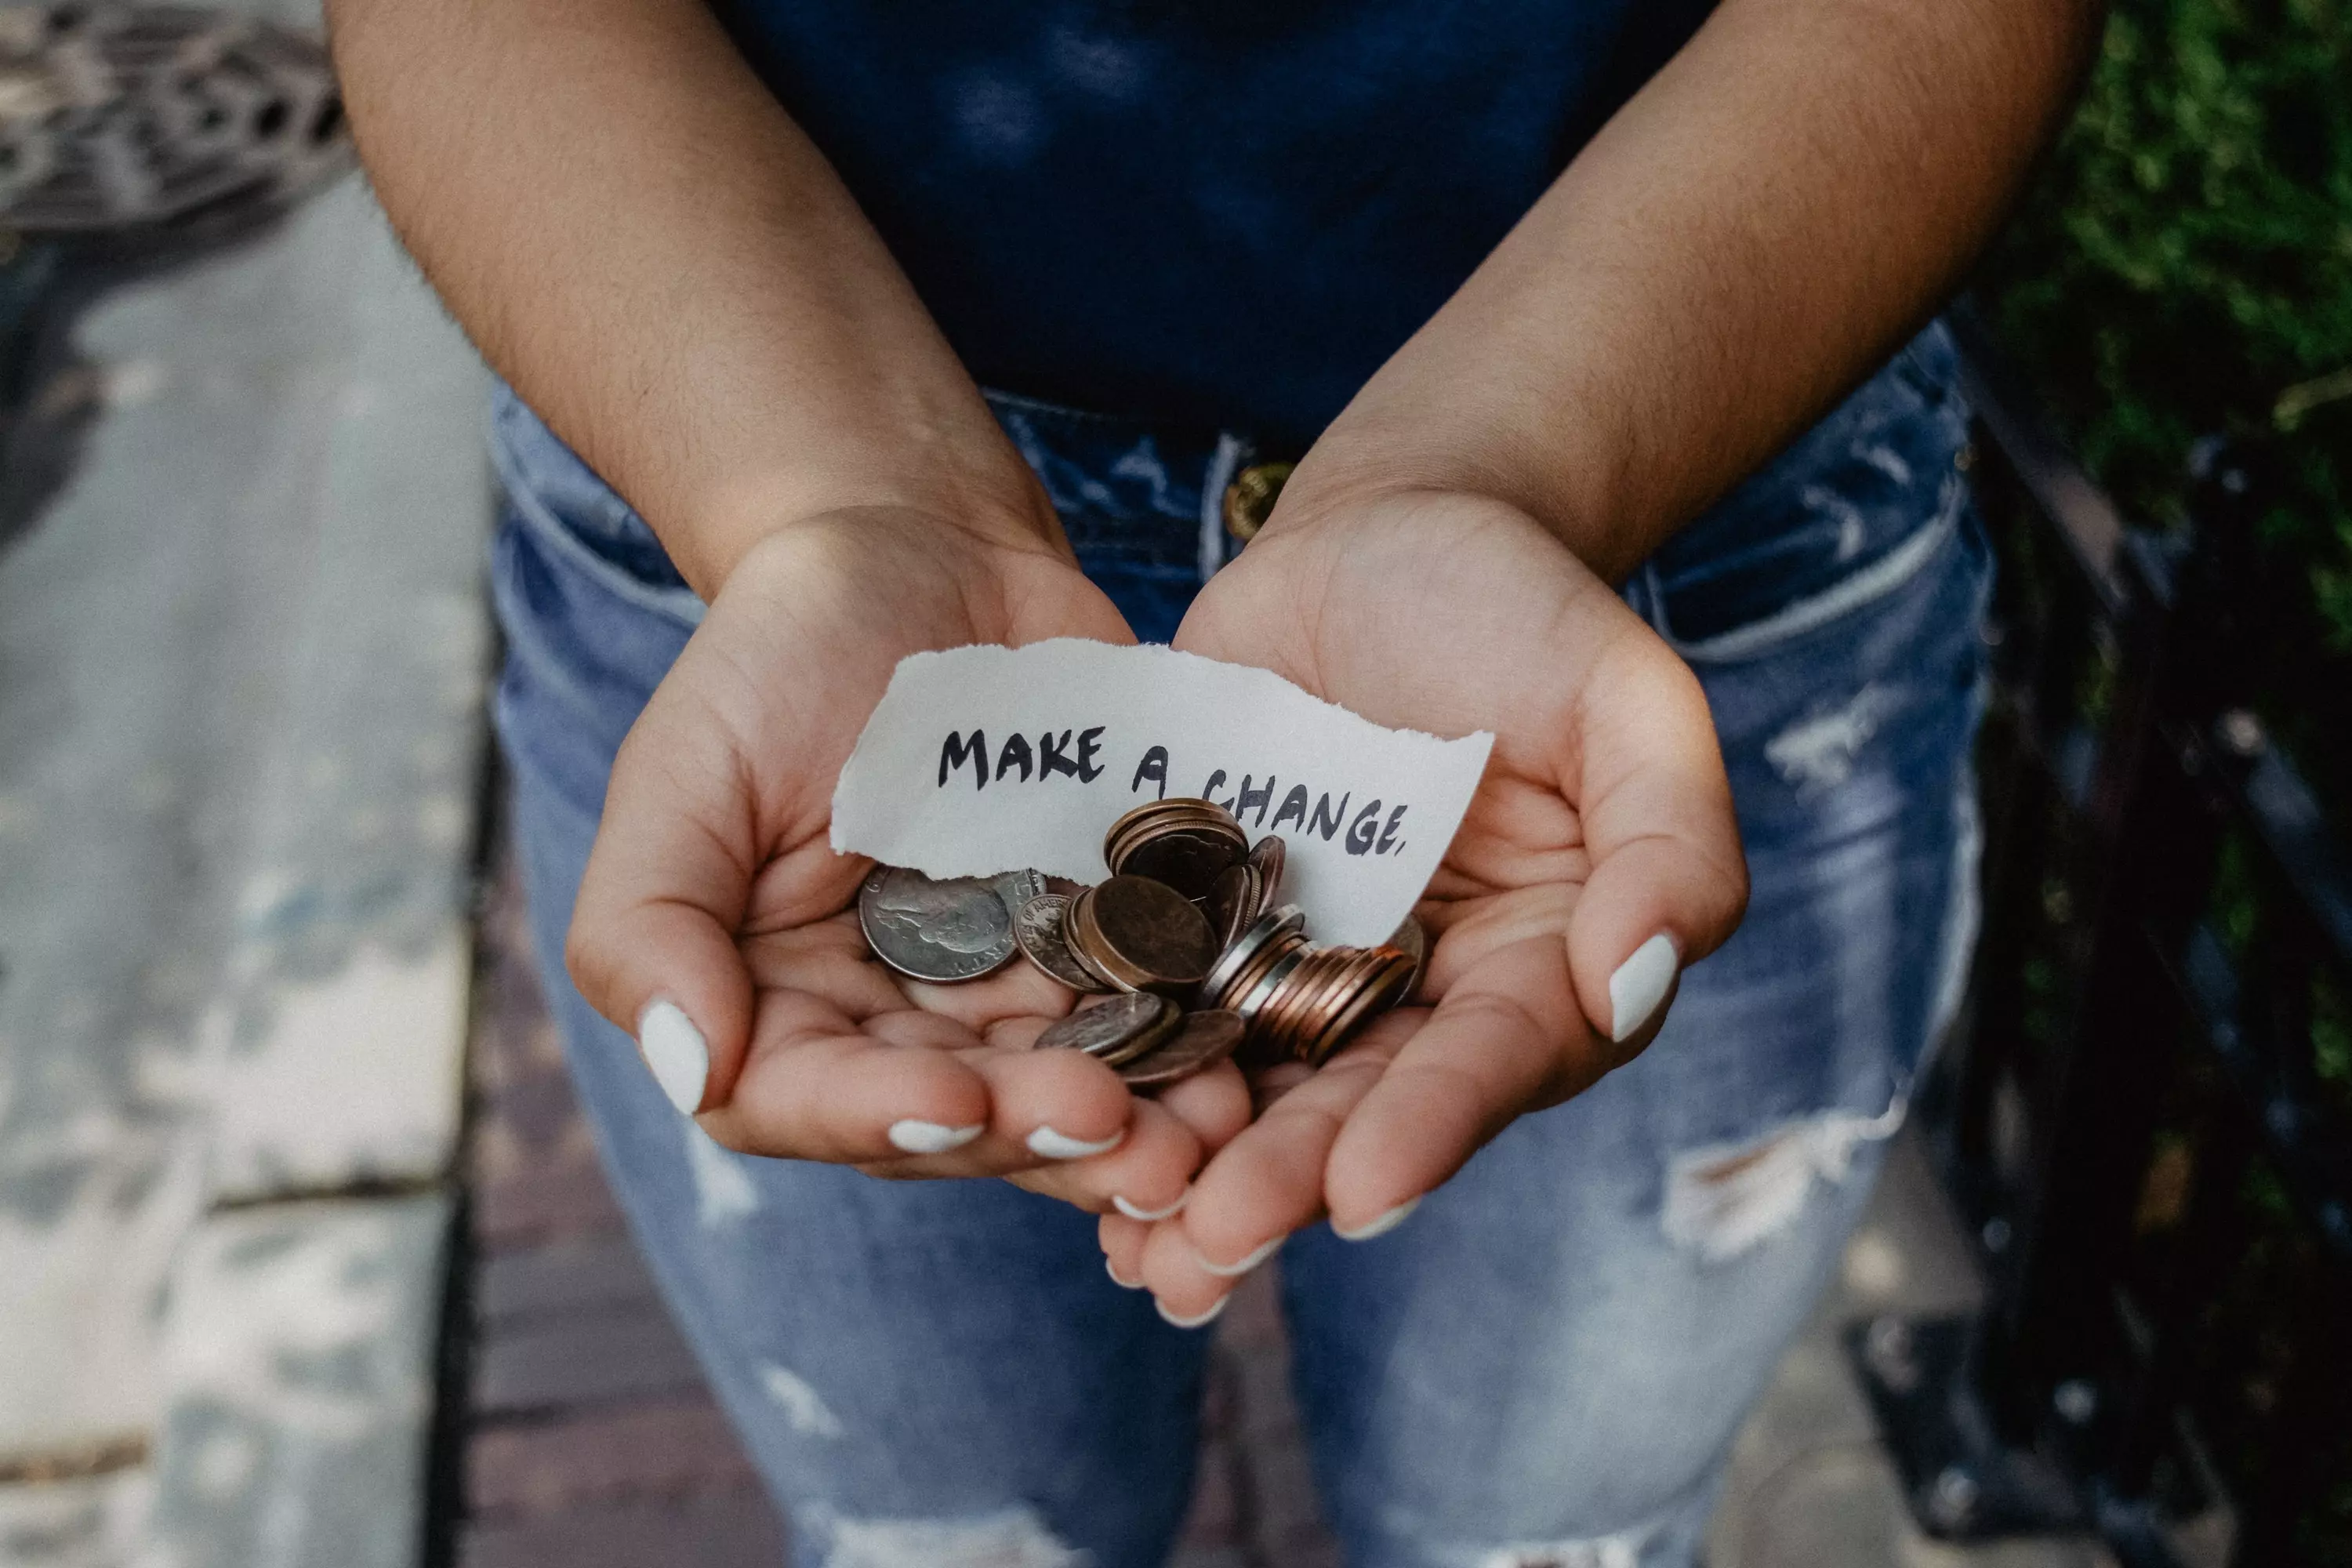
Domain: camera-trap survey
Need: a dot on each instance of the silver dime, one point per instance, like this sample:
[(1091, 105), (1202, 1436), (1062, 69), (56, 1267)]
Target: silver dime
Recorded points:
[(1230, 963), (945, 931), (1037, 927), (1017, 887), (1113, 1029)]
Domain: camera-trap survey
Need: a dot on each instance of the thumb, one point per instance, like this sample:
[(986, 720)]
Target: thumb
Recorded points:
[(1668, 883), (651, 943)]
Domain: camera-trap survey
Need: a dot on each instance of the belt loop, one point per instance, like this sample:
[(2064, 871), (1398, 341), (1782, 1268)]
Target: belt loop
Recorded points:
[(1655, 594), (1231, 454)]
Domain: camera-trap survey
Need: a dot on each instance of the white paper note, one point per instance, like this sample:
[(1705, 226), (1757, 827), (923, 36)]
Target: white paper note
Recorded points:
[(982, 760)]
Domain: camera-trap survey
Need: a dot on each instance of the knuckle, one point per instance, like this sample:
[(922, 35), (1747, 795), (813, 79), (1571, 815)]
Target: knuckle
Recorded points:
[(588, 959)]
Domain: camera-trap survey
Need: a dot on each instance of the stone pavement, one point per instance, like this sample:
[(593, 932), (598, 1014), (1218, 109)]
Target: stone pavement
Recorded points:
[(242, 652)]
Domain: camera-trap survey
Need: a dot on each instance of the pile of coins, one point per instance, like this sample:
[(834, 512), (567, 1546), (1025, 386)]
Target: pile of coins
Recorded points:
[(1184, 937)]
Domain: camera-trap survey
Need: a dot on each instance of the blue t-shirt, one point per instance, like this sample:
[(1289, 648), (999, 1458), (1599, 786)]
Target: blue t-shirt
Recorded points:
[(1220, 212)]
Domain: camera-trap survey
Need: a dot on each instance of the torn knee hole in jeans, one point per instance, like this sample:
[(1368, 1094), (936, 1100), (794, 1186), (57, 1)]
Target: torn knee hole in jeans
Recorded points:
[(1724, 1198), (1602, 1552), (1016, 1537)]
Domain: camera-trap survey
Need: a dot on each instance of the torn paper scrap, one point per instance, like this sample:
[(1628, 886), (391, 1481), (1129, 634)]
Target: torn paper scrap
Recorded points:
[(982, 760)]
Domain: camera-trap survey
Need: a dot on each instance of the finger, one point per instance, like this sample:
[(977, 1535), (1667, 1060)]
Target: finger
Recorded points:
[(1049, 1106), (1122, 1243), (1508, 1036), (1268, 1181), (1186, 1292), (1148, 1177), (1214, 1104), (652, 943), (815, 1086), (1019, 990), (1668, 882)]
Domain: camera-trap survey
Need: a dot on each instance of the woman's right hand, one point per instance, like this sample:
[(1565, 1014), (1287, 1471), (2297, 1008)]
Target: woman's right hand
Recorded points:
[(715, 921)]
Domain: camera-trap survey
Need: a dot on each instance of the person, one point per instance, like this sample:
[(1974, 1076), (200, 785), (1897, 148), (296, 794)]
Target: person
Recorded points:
[(836, 331)]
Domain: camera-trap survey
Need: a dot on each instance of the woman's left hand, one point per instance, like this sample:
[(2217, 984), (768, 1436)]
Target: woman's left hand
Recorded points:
[(1600, 855)]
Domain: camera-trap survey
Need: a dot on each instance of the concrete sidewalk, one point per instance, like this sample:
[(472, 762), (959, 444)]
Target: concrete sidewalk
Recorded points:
[(241, 670)]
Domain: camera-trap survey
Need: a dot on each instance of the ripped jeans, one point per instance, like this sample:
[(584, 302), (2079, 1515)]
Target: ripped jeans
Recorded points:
[(1545, 1367)]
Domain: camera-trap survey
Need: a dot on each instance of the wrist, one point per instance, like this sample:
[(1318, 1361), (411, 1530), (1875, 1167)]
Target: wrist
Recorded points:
[(733, 520), (1567, 481)]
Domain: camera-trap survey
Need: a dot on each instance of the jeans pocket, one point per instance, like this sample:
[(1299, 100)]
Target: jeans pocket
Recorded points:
[(1849, 512), (578, 519)]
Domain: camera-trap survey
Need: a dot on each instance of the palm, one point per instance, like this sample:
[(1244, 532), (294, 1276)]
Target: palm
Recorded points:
[(798, 651), (714, 885), (1604, 819)]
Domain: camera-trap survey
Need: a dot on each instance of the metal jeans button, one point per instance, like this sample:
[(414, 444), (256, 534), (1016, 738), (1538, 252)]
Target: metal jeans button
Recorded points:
[(1249, 500)]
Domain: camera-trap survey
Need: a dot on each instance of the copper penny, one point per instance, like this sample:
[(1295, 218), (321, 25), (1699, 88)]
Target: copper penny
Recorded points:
[(1144, 934), (1204, 1039), (1269, 856), (1234, 901), (1383, 982), (1187, 859)]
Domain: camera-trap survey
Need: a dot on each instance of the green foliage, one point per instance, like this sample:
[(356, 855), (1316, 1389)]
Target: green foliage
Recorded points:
[(2184, 267)]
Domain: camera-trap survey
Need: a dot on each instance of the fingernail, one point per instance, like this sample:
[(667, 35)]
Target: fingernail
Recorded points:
[(674, 1049), (1122, 1284), (1056, 1145), (1133, 1212), (1382, 1226), (1228, 1270), (931, 1138), (1640, 984), (1208, 1316)]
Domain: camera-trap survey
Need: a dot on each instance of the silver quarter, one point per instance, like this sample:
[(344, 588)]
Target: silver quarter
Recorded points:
[(943, 931), (1113, 1030), (1235, 902), (1037, 927)]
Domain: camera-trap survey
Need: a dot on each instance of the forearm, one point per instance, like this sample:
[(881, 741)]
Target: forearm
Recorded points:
[(1747, 238), (637, 236)]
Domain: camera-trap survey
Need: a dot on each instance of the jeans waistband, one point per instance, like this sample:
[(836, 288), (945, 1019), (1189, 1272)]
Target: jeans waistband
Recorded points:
[(1844, 512), (1129, 493)]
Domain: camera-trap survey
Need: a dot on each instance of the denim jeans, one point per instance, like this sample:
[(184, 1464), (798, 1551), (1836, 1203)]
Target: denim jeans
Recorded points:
[(1546, 1363)]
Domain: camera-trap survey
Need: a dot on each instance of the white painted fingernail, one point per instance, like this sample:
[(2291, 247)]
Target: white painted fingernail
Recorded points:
[(1122, 1284), (1228, 1270), (1382, 1226), (931, 1138), (1209, 1316), (1056, 1145), (1640, 984), (675, 1050), (1133, 1212)]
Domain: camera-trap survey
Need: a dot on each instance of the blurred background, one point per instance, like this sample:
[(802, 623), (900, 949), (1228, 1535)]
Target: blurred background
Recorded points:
[(303, 1254)]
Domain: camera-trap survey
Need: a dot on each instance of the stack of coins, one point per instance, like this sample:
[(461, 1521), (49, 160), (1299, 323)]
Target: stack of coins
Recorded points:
[(1148, 1039), (1187, 919), (1185, 844)]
